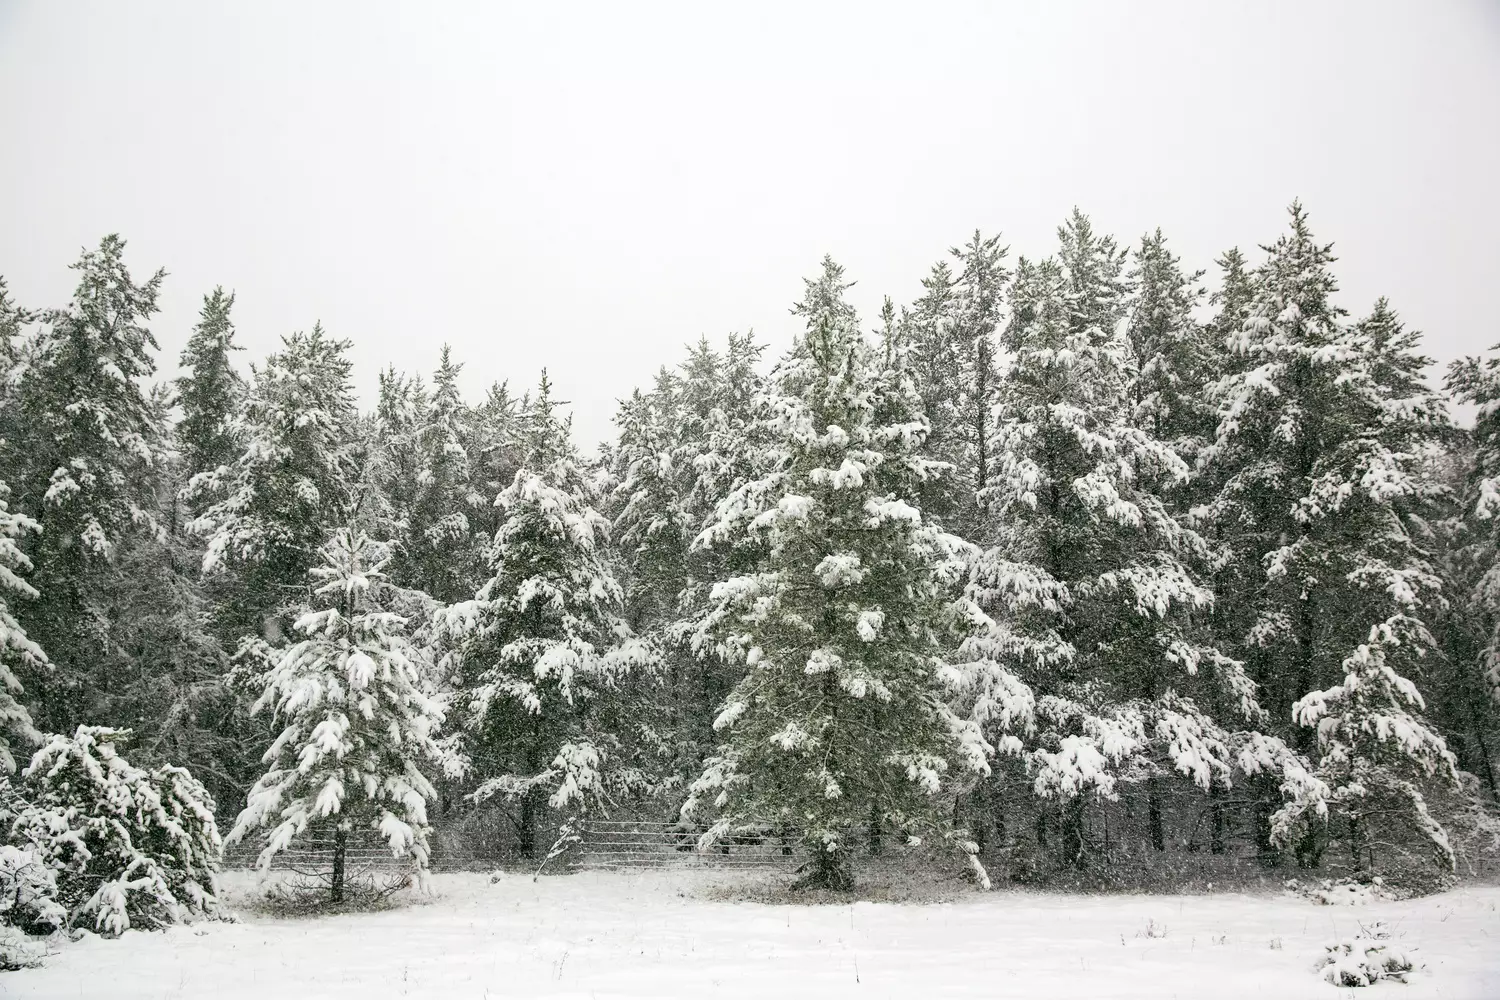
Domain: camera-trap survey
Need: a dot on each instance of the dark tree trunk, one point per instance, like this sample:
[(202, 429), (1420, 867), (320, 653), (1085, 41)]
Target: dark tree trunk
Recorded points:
[(997, 813), (827, 870), (1305, 678), (1483, 749), (340, 847), (875, 844), (1216, 820), (1072, 832), (527, 830), (1153, 819)]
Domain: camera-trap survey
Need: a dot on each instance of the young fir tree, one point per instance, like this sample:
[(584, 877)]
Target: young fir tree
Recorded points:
[(268, 513), (359, 719), (131, 848), (81, 465), (840, 724), (210, 392), (1320, 461), (540, 648), (1091, 650)]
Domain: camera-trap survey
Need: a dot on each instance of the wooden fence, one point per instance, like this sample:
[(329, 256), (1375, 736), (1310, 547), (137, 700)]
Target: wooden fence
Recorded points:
[(614, 844), (364, 853), (601, 844)]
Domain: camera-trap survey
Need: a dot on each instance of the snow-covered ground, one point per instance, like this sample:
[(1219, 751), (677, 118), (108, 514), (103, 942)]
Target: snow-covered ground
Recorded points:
[(598, 935)]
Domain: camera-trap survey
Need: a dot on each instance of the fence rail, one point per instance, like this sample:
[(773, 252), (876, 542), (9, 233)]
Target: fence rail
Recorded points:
[(611, 844), (602, 844)]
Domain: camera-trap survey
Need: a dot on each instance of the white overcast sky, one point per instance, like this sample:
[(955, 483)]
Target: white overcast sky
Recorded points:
[(590, 186)]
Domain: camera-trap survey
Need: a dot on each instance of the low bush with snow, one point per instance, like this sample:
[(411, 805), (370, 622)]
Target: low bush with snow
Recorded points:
[(1342, 892), (28, 906), (28, 892), (129, 848), (1365, 959)]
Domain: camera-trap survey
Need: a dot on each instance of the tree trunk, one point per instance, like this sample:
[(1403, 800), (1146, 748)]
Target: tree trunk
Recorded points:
[(1153, 819), (875, 845), (980, 821), (1216, 819), (997, 813), (1484, 750), (1306, 623), (1072, 832), (340, 846), (527, 831), (827, 870)]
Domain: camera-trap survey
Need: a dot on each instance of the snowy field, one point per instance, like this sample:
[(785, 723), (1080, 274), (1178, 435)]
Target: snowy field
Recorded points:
[(603, 936)]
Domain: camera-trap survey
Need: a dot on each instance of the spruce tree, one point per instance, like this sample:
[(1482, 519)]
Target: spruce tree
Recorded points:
[(267, 515), (1375, 754), (1169, 355), (540, 648), (954, 361), (359, 719), (16, 649), (83, 464), (1324, 485), (840, 724), (1475, 556), (210, 392), (1092, 657), (977, 305), (438, 551)]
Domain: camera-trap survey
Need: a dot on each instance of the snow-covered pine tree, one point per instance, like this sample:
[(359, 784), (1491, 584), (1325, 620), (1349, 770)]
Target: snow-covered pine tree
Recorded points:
[(840, 724), (653, 526), (1321, 461), (1090, 655), (438, 551), (1374, 756), (953, 358), (13, 323), (681, 449), (131, 848), (1476, 553), (540, 648), (276, 504), (978, 302), (936, 360), (16, 649), (395, 459), (86, 439), (359, 719), (210, 391), (1169, 355), (1231, 299), (493, 444)]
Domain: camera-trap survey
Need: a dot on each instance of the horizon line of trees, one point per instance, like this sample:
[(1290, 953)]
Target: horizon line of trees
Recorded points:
[(1042, 548)]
